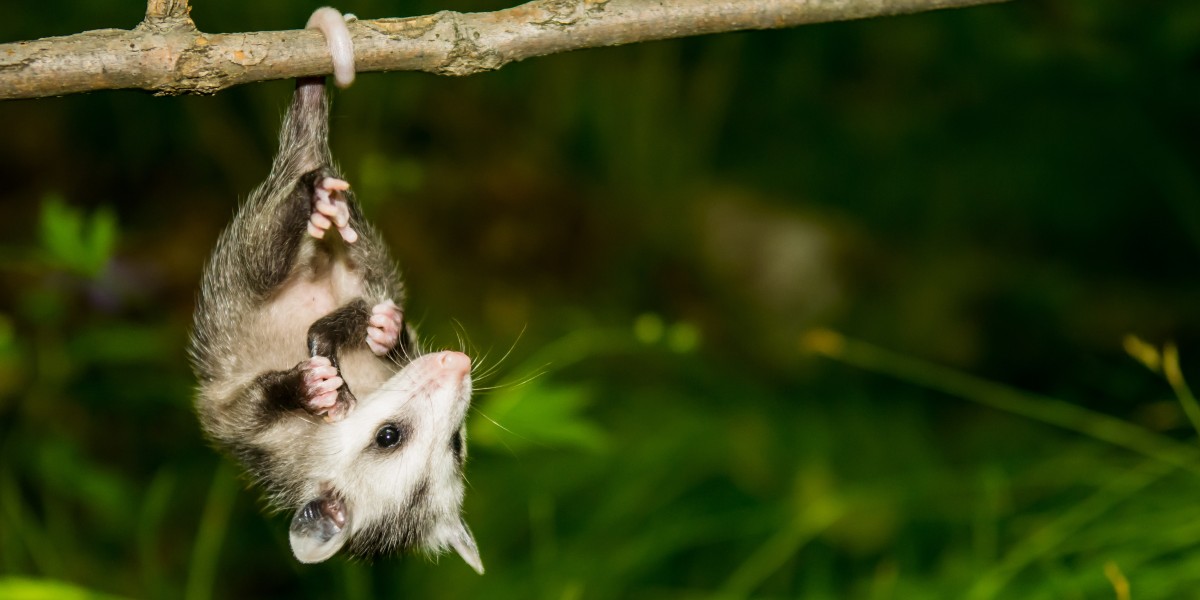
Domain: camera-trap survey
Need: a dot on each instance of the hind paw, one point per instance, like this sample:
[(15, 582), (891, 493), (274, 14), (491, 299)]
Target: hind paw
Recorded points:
[(384, 327), (331, 210), (322, 389)]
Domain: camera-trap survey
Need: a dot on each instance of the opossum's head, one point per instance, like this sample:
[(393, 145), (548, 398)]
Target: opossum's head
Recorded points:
[(396, 481)]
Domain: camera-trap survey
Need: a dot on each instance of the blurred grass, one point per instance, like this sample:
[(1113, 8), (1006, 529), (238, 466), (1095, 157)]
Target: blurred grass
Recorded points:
[(636, 238), (1168, 453), (25, 588), (211, 530)]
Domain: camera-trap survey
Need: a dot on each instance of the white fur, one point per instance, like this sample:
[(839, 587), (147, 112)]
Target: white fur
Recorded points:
[(433, 400)]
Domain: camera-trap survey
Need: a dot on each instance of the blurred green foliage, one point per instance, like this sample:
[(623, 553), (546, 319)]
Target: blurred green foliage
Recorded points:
[(636, 244), (74, 243)]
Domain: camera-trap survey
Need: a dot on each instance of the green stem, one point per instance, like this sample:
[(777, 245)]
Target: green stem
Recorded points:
[(1000, 397), (1165, 452), (1043, 541), (214, 523), (808, 523)]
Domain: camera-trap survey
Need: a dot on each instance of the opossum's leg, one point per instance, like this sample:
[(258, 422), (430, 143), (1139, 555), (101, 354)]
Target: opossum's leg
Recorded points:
[(330, 208), (335, 330), (270, 234), (312, 385), (386, 327), (329, 334), (382, 327)]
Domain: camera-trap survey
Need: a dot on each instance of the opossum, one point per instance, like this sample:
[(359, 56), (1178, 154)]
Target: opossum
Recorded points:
[(308, 372)]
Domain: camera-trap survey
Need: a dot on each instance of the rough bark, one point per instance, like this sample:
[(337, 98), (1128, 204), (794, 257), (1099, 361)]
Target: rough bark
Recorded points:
[(168, 55)]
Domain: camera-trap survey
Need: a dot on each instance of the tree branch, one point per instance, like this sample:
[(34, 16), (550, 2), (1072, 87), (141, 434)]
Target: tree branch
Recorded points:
[(166, 54), (167, 9)]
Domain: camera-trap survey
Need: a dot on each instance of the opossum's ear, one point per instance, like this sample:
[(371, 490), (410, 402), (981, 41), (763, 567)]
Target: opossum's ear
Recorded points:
[(318, 530), (464, 543)]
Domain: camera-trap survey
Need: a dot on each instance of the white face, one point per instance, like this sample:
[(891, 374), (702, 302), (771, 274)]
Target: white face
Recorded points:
[(403, 434), (396, 480)]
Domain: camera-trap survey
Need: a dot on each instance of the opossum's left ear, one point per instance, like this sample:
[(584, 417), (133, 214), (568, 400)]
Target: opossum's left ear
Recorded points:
[(319, 528)]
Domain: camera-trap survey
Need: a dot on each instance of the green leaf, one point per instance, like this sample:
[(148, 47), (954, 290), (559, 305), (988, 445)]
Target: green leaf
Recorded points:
[(60, 228), (102, 238), (27, 588), (74, 242), (537, 415)]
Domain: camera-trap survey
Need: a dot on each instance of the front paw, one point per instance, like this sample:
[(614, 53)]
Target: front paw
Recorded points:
[(324, 392), (384, 327)]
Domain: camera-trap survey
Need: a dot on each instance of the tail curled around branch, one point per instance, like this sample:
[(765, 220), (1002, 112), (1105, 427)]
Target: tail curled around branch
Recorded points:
[(331, 23)]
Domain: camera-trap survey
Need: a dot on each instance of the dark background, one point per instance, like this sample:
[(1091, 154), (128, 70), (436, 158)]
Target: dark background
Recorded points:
[(635, 241)]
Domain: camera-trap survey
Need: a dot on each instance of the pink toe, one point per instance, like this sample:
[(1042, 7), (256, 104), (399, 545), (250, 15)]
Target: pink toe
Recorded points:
[(315, 231), (320, 220), (341, 214), (335, 184), (328, 385), (348, 234), (319, 373), (324, 400), (326, 208)]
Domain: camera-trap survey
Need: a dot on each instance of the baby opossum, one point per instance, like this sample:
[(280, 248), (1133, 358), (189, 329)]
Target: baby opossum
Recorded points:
[(309, 374)]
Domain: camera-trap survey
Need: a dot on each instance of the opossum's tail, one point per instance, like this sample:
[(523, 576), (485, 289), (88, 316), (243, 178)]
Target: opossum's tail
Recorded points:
[(304, 139)]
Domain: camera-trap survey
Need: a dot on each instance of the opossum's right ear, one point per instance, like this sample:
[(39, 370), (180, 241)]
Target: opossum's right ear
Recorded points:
[(319, 529), (464, 544)]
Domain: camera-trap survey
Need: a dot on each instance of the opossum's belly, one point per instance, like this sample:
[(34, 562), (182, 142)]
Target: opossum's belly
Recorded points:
[(300, 303), (286, 317)]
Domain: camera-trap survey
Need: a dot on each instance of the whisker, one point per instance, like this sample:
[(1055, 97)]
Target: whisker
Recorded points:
[(511, 432), (542, 370), (511, 384), (489, 371), (459, 332)]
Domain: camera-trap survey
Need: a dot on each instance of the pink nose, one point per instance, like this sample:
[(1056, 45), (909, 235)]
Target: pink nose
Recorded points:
[(455, 362)]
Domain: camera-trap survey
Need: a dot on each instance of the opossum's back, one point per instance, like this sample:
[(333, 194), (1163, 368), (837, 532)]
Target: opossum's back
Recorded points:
[(224, 309)]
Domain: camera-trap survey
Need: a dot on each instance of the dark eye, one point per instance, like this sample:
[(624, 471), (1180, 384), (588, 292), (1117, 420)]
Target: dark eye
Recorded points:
[(387, 436)]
